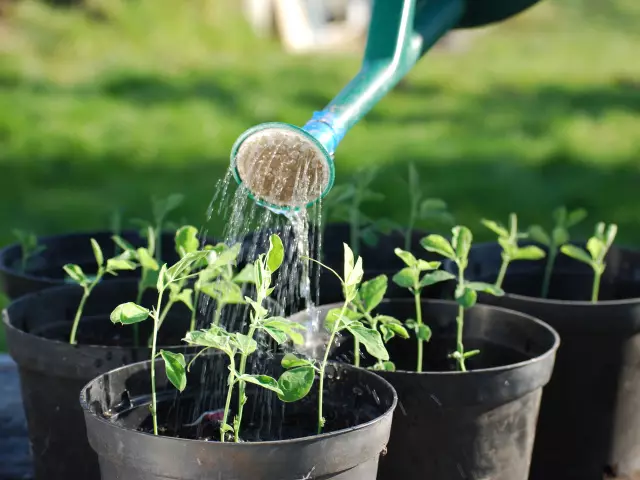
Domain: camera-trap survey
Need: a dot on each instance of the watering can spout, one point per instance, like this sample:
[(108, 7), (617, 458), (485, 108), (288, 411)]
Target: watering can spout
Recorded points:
[(286, 167)]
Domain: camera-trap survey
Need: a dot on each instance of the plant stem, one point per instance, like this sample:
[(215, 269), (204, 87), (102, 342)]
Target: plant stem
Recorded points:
[(503, 270), (416, 297), (76, 320), (196, 295), (356, 352), (553, 252), (323, 366), (156, 327), (595, 292), (242, 384), (230, 382), (460, 323)]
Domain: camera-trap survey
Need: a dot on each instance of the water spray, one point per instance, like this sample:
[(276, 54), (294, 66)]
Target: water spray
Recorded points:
[(285, 167)]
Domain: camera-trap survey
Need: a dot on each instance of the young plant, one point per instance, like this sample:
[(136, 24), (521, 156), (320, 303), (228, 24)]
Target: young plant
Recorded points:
[(294, 383), (341, 321), (597, 247), (345, 204), (508, 240), (112, 266), (411, 277), (563, 221), (132, 313), (420, 208), (466, 293), (29, 247)]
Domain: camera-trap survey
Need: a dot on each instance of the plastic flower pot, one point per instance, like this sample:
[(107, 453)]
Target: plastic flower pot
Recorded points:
[(52, 372), (589, 417), (478, 424), (280, 440), (45, 269)]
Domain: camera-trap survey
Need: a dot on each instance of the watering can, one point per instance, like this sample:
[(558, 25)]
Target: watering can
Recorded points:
[(285, 167)]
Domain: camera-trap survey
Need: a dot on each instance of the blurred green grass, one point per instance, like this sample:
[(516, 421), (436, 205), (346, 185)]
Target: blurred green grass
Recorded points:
[(103, 106)]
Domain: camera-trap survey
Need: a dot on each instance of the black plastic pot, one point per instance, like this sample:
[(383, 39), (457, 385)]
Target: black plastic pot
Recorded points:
[(52, 372), (589, 419), (45, 269), (475, 425), (278, 447)]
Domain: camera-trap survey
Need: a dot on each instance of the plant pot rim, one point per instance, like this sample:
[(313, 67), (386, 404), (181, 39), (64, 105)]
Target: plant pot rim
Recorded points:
[(14, 247), (140, 365), (551, 351), (9, 326)]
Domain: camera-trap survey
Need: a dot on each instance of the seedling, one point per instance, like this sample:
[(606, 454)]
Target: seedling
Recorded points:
[(597, 247), (112, 266), (161, 208), (293, 384), (420, 208), (411, 277), (466, 292), (341, 321), (29, 247), (508, 240), (563, 221), (345, 204), (132, 313)]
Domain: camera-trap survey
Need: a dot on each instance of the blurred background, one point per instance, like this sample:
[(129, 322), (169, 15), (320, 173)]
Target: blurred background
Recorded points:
[(104, 103)]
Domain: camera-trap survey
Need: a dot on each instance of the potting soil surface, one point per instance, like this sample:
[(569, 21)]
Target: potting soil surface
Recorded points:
[(15, 463)]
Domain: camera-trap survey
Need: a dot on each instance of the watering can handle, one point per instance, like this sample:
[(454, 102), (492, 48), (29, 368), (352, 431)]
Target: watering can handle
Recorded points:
[(400, 33)]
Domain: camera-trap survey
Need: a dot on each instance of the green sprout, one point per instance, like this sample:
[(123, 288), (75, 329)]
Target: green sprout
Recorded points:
[(563, 221), (29, 247), (112, 266), (466, 294), (411, 277), (508, 240), (597, 247), (345, 204), (432, 209), (294, 383), (132, 313), (341, 321)]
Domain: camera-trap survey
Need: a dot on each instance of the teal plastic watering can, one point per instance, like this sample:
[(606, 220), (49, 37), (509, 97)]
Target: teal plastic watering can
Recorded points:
[(285, 167)]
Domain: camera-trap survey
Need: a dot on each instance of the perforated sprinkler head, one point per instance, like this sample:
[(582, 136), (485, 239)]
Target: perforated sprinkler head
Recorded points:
[(282, 166)]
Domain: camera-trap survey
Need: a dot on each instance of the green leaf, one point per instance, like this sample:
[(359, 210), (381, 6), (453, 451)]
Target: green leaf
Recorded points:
[(466, 297), (560, 216), (595, 247), (406, 257), (538, 234), (435, 205), (76, 273), (116, 264), (128, 313), (333, 315), (576, 253), (485, 287), (406, 278), (470, 353), (162, 207), (291, 361), (530, 252), (184, 264), (411, 324), (560, 236), (246, 344), (438, 244), (423, 265), (461, 241), (296, 383), (370, 339), (495, 227), (265, 381), (290, 329), (393, 325), (223, 291), (187, 240), (186, 297), (384, 366), (162, 277), (146, 259), (387, 334), (221, 255), (217, 339), (436, 276), (175, 366), (246, 275), (610, 235), (278, 335), (372, 292), (275, 255), (423, 332), (576, 216), (352, 271), (97, 252)]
